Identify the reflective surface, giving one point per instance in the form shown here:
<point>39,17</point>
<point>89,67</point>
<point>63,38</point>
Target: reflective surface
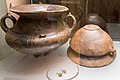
<point>19,66</point>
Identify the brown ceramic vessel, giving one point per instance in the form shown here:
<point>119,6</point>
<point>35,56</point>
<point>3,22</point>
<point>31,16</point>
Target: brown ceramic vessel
<point>93,18</point>
<point>93,45</point>
<point>40,29</point>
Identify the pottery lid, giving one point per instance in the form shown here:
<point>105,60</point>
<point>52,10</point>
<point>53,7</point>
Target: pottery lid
<point>91,40</point>
<point>63,72</point>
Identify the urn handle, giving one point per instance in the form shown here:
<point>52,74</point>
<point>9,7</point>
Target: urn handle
<point>74,20</point>
<point>3,21</point>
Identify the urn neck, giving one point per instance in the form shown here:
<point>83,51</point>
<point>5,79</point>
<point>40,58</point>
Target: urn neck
<point>39,11</point>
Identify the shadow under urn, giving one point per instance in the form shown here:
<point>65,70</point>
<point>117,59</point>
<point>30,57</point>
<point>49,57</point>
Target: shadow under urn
<point>40,28</point>
<point>91,47</point>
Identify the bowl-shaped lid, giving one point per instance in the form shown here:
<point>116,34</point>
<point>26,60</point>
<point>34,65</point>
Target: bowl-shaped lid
<point>91,40</point>
<point>38,8</point>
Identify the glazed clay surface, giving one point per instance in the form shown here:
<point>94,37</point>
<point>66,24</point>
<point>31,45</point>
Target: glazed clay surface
<point>91,47</point>
<point>40,28</point>
<point>91,40</point>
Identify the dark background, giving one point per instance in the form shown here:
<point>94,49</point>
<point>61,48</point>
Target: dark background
<point>108,9</point>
